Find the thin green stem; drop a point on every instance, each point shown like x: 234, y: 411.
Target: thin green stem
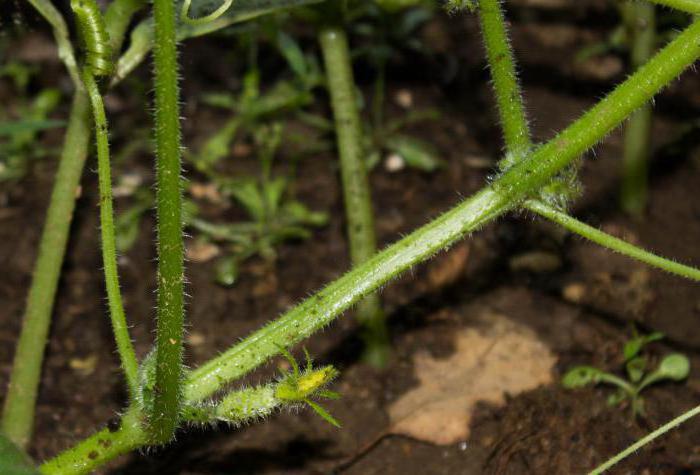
x: 166, y: 405
x: 611, y: 242
x: 18, y: 411
x: 646, y: 440
x: 358, y: 203
x: 516, y: 131
x: 641, y: 26
x: 61, y: 35
x: 109, y: 245
x: 688, y: 6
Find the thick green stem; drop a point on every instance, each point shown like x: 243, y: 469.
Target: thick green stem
x: 689, y: 6
x: 641, y: 26
x: 521, y: 180
x: 358, y: 204
x: 109, y: 245
x: 164, y: 416
x: 505, y: 79
x: 99, y: 448
x: 18, y: 411
x: 646, y: 440
x: 611, y: 242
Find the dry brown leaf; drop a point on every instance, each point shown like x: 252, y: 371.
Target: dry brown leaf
x: 488, y: 363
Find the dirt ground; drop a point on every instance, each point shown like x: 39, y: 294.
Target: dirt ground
x: 577, y: 299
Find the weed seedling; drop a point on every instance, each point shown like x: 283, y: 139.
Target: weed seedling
x: 673, y: 367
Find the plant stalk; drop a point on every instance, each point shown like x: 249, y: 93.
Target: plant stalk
x: 164, y: 415
x: 499, y: 53
x: 611, y: 242
x: 109, y: 245
x: 641, y: 26
x: 18, y: 411
x: 357, y: 197
x: 645, y: 440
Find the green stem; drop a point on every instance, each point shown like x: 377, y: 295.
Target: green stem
x: 99, y: 448
x: 521, y: 180
x: 109, y: 245
x: 18, y: 411
x: 358, y: 204
x: 518, y: 182
x: 611, y: 242
x: 641, y: 26
x: 505, y: 79
x: 646, y: 440
x: 164, y: 416
x: 689, y: 6
x: 61, y: 35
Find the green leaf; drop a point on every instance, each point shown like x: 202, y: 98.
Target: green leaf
x: 415, y: 152
x: 298, y: 213
x: 247, y: 193
x: 617, y: 397
x: 635, y: 368
x: 634, y: 346
x: 581, y: 376
x: 227, y: 270
x: 13, y: 461
x: 674, y: 366
x: 274, y: 190
x: 293, y: 54
x: 328, y: 394
x: 24, y: 126
x: 323, y: 413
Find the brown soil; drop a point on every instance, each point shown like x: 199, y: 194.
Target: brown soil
x: 582, y: 309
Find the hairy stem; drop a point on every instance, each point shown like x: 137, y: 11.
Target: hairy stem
x: 646, y: 440
x: 166, y: 404
x: 99, y: 448
x: 505, y: 79
x: 18, y: 411
x: 611, y: 242
x: 109, y: 245
x: 641, y: 26
x: 524, y: 178
x: 358, y: 203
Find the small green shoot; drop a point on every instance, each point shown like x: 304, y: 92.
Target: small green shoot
x: 673, y: 367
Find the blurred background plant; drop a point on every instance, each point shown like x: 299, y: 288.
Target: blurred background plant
x: 22, y: 125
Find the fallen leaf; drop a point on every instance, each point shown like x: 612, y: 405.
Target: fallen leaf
x: 503, y: 357
x: 448, y: 267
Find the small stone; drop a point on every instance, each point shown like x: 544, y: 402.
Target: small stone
x: 404, y: 98
x: 574, y: 292
x: 83, y: 366
x: 539, y: 262
x: 394, y: 163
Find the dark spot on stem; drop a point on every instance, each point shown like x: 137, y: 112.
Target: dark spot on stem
x: 93, y: 455
x: 114, y: 424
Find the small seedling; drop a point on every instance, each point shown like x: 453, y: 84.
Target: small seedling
x: 673, y: 367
